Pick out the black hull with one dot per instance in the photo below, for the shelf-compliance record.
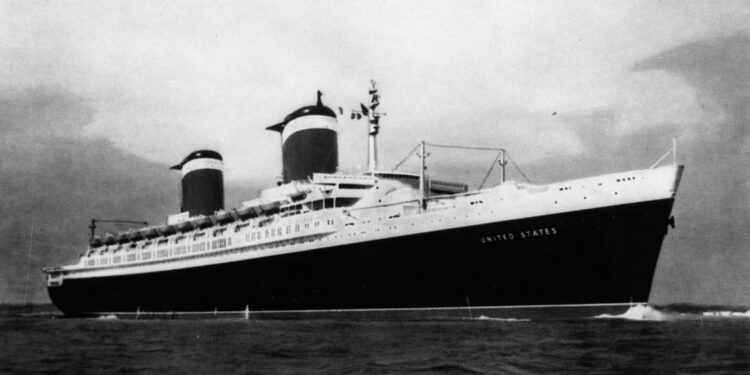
(599, 256)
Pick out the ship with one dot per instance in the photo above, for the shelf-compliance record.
(323, 242)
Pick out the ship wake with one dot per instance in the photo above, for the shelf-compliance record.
(643, 312)
(639, 312)
(491, 319)
(726, 314)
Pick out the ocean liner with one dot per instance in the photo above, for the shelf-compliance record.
(381, 240)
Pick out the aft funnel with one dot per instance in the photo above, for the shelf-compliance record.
(202, 183)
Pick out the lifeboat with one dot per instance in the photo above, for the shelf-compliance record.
(184, 226)
(109, 239)
(201, 222)
(259, 206)
(248, 212)
(149, 232)
(224, 217)
(96, 241)
(134, 235)
(293, 190)
(270, 206)
(122, 237)
(166, 229)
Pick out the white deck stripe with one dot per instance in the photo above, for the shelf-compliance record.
(308, 122)
(202, 163)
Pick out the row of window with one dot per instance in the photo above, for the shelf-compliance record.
(198, 235)
(219, 243)
(216, 244)
(318, 205)
(273, 232)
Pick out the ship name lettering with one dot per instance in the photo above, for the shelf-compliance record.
(509, 236)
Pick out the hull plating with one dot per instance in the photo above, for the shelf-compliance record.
(600, 256)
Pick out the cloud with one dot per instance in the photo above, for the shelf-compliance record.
(54, 179)
(715, 201)
(164, 79)
(718, 69)
(43, 110)
(705, 259)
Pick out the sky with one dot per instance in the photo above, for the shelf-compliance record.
(569, 88)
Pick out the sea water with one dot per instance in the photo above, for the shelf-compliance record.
(643, 339)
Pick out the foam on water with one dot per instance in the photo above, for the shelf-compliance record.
(485, 317)
(726, 314)
(647, 313)
(638, 312)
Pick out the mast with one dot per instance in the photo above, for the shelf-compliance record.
(421, 175)
(502, 166)
(372, 153)
(374, 119)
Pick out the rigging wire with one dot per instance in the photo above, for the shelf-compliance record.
(499, 150)
(490, 171)
(466, 147)
(518, 169)
(407, 157)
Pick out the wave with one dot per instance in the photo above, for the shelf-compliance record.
(485, 317)
(638, 312)
(643, 312)
(726, 314)
(107, 317)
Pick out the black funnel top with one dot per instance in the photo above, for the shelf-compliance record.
(317, 109)
(200, 154)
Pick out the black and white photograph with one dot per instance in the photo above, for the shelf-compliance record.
(374, 187)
